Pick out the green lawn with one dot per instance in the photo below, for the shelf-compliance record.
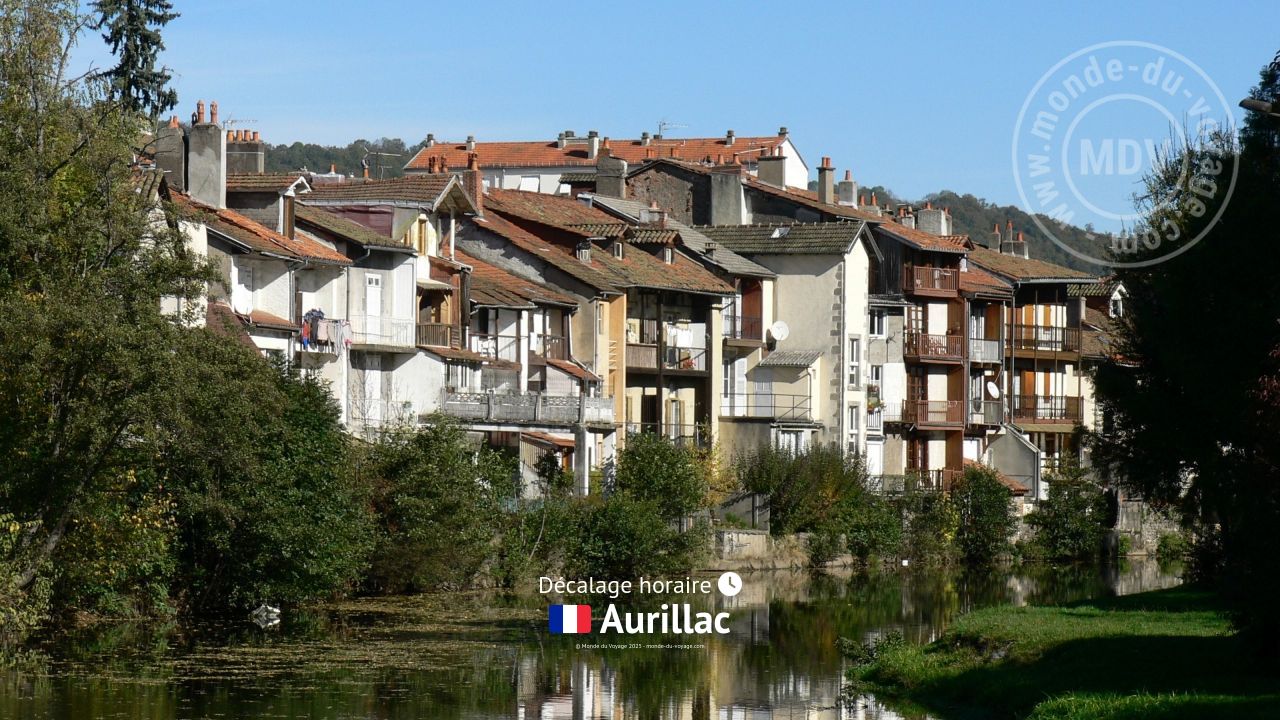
(1165, 654)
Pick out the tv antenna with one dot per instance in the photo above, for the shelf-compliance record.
(664, 125)
(364, 161)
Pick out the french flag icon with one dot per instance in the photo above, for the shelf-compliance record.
(569, 619)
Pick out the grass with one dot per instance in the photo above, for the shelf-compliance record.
(1165, 654)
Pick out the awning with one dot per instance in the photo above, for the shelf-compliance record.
(429, 284)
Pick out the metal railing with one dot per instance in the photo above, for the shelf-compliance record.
(940, 347)
(744, 327)
(684, 358)
(527, 407)
(982, 350)
(1036, 337)
(437, 334)
(378, 330)
(684, 435)
(875, 421)
(933, 412)
(930, 280)
(766, 405)
(498, 347)
(1045, 408)
(986, 412)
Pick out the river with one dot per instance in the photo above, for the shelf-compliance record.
(485, 656)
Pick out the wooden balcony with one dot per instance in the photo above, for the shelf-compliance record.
(934, 348)
(931, 281)
(437, 335)
(1043, 341)
(929, 414)
(642, 356)
(1045, 409)
(547, 347)
(744, 327)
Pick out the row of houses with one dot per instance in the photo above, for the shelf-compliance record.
(560, 296)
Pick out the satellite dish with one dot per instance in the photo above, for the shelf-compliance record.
(993, 390)
(779, 331)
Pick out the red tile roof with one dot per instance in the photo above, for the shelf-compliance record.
(557, 211)
(1014, 486)
(261, 182)
(1020, 268)
(255, 236)
(547, 154)
(267, 320)
(977, 280)
(555, 255)
(411, 189)
(924, 240)
(494, 286)
(573, 369)
(222, 320)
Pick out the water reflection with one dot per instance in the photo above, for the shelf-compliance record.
(482, 657)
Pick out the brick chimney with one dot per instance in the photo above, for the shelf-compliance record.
(1013, 243)
(826, 182)
(933, 220)
(473, 182)
(611, 175)
(171, 153)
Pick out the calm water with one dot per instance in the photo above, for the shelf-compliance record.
(485, 657)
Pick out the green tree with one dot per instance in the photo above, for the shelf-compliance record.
(1198, 340)
(133, 33)
(1071, 523)
(653, 469)
(439, 504)
(986, 520)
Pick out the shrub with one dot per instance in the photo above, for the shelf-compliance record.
(931, 522)
(1172, 547)
(875, 528)
(1070, 524)
(438, 504)
(626, 537)
(655, 470)
(985, 519)
(807, 491)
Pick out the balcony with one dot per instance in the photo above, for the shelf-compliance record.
(932, 479)
(320, 336)
(1045, 409)
(985, 351)
(986, 412)
(437, 335)
(383, 331)
(744, 327)
(497, 347)
(686, 359)
(789, 408)
(551, 347)
(934, 348)
(930, 281)
(1034, 338)
(528, 408)
(682, 435)
(875, 421)
(642, 357)
(933, 413)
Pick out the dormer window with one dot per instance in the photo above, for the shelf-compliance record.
(584, 252)
(668, 255)
(617, 250)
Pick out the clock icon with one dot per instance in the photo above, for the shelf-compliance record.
(730, 584)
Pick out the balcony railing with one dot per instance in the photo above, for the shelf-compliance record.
(875, 421)
(984, 351)
(498, 347)
(683, 435)
(743, 327)
(1052, 339)
(934, 347)
(930, 280)
(766, 405)
(320, 335)
(986, 412)
(933, 412)
(932, 479)
(642, 356)
(1042, 408)
(552, 347)
(437, 335)
(530, 408)
(682, 358)
(378, 330)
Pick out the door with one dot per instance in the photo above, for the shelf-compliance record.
(875, 458)
(373, 304)
(373, 388)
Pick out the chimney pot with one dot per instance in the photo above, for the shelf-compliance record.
(782, 131)
(213, 112)
(199, 111)
(231, 135)
(333, 168)
(471, 143)
(848, 176)
(728, 138)
(593, 133)
(431, 140)
(173, 121)
(256, 136)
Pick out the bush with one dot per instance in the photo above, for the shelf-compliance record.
(438, 504)
(653, 469)
(1070, 524)
(808, 491)
(1172, 547)
(985, 519)
(875, 528)
(931, 522)
(625, 538)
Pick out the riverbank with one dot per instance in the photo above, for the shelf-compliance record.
(1163, 654)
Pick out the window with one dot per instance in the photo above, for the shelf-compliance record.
(855, 421)
(877, 374)
(855, 362)
(875, 323)
(529, 183)
(668, 255)
(1117, 307)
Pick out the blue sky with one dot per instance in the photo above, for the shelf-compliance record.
(915, 96)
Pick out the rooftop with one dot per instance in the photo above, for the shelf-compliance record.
(425, 189)
(255, 236)
(831, 238)
(494, 287)
(343, 228)
(1019, 268)
(263, 182)
(575, 151)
